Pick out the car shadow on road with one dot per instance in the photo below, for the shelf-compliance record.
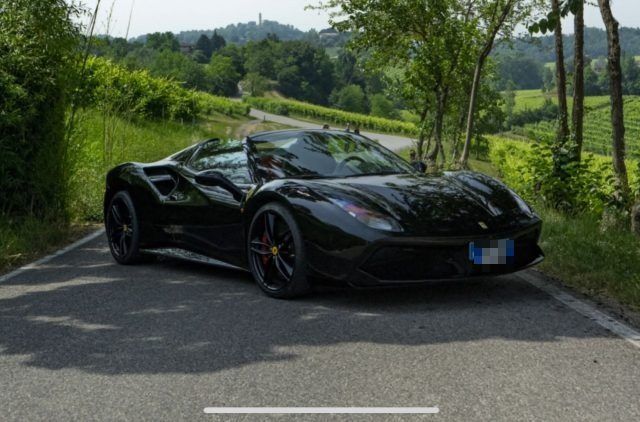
(86, 313)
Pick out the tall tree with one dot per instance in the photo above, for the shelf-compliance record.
(491, 15)
(561, 76)
(577, 116)
(427, 42)
(39, 45)
(615, 89)
(204, 46)
(217, 42)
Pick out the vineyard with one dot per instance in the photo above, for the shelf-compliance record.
(597, 126)
(112, 87)
(535, 98)
(329, 115)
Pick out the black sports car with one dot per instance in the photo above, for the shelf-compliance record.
(297, 207)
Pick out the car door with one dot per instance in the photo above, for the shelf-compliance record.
(208, 219)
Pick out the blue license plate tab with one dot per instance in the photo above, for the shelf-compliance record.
(492, 252)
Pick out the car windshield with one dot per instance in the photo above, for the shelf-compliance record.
(322, 154)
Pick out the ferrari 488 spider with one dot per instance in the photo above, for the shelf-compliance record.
(298, 207)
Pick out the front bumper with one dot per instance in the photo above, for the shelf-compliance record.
(409, 260)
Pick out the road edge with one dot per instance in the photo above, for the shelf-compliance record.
(48, 258)
(583, 307)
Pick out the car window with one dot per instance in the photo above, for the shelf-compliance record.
(322, 154)
(227, 157)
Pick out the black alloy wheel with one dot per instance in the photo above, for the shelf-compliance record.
(123, 234)
(276, 254)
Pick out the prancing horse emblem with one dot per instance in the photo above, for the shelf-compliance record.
(483, 225)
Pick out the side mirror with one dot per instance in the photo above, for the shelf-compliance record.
(215, 178)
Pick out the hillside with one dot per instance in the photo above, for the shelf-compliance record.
(597, 123)
(541, 49)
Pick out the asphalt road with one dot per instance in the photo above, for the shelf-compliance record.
(82, 338)
(391, 142)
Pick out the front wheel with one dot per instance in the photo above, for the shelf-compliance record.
(123, 229)
(276, 253)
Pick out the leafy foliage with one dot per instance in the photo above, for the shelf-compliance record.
(38, 44)
(115, 88)
(528, 168)
(350, 98)
(325, 114)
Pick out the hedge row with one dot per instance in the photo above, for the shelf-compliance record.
(121, 90)
(325, 114)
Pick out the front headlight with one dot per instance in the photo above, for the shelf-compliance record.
(373, 219)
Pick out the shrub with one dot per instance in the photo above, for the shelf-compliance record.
(112, 87)
(529, 169)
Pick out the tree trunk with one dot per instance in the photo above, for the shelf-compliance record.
(615, 88)
(496, 24)
(578, 81)
(439, 126)
(561, 79)
(423, 117)
(471, 112)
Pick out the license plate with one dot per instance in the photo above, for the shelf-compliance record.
(492, 252)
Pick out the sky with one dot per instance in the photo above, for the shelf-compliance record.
(175, 16)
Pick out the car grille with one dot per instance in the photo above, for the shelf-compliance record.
(419, 262)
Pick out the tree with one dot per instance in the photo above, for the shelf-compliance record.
(217, 42)
(39, 46)
(561, 76)
(222, 76)
(381, 106)
(548, 80)
(163, 41)
(577, 115)
(509, 102)
(630, 76)
(351, 98)
(591, 83)
(429, 41)
(204, 46)
(254, 84)
(491, 15)
(347, 70)
(615, 89)
(524, 71)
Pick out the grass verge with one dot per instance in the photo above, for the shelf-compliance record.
(593, 258)
(99, 143)
(25, 239)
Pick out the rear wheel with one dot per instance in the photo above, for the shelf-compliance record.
(276, 253)
(123, 229)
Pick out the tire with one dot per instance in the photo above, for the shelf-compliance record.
(276, 254)
(123, 229)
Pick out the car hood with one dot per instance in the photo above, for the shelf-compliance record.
(451, 203)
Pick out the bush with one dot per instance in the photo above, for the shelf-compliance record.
(529, 169)
(112, 87)
(350, 98)
(381, 106)
(38, 45)
(548, 112)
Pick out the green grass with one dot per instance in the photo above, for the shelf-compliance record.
(25, 239)
(535, 98)
(99, 144)
(591, 257)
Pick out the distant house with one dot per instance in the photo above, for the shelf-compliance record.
(186, 48)
(328, 33)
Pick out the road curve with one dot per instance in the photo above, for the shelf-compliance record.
(82, 338)
(392, 142)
